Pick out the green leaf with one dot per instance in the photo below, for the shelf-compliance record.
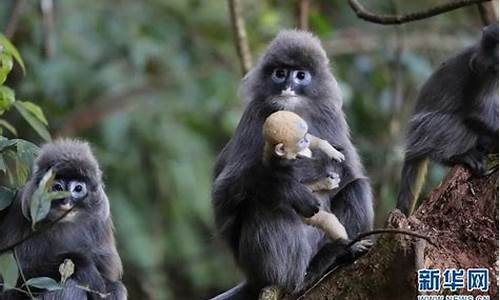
(45, 283)
(22, 172)
(36, 124)
(6, 197)
(5, 66)
(39, 205)
(9, 270)
(41, 198)
(36, 111)
(10, 49)
(7, 98)
(27, 152)
(3, 165)
(8, 126)
(6, 143)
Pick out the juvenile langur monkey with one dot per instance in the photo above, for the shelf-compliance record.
(286, 137)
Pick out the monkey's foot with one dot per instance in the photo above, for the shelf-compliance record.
(360, 248)
(271, 292)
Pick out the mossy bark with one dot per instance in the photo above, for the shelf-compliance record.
(460, 216)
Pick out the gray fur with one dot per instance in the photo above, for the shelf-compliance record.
(274, 246)
(87, 239)
(456, 115)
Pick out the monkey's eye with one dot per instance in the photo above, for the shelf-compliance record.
(279, 75)
(78, 189)
(58, 186)
(301, 77)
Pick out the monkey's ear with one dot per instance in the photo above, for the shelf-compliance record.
(279, 150)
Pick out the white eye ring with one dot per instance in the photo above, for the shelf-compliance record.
(279, 75)
(78, 189)
(302, 77)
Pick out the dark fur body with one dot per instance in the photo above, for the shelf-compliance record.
(456, 116)
(87, 239)
(279, 243)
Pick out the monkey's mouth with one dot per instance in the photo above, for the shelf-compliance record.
(286, 103)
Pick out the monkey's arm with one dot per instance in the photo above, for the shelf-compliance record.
(300, 198)
(329, 223)
(323, 145)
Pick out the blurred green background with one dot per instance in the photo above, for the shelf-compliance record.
(153, 86)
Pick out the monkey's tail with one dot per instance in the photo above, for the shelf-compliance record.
(412, 180)
(240, 292)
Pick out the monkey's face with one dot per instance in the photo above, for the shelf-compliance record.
(72, 204)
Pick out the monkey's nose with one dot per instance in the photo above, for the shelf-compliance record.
(288, 92)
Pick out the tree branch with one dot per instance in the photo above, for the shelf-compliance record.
(488, 13)
(240, 35)
(15, 12)
(88, 115)
(303, 14)
(386, 19)
(47, 8)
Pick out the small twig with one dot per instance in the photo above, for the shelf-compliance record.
(240, 35)
(15, 12)
(47, 7)
(33, 234)
(303, 14)
(386, 19)
(19, 267)
(87, 289)
(392, 231)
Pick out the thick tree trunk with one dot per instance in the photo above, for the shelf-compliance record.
(460, 216)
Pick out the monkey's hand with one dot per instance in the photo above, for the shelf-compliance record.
(325, 146)
(331, 151)
(331, 182)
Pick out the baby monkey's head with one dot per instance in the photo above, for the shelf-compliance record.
(285, 136)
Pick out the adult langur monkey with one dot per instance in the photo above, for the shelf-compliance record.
(79, 228)
(456, 117)
(276, 247)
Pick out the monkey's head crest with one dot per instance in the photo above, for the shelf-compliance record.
(68, 158)
(76, 171)
(295, 48)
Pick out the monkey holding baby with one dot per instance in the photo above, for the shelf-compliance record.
(288, 145)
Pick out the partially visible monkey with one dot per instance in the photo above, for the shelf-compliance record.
(294, 75)
(456, 117)
(84, 234)
(287, 145)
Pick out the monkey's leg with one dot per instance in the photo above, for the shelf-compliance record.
(353, 207)
(412, 180)
(474, 160)
(325, 146)
(329, 223)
